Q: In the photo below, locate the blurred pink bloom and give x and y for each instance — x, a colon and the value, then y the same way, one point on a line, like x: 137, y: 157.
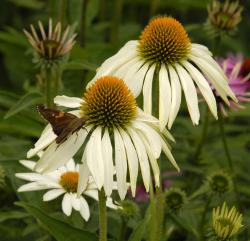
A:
x: 237, y: 69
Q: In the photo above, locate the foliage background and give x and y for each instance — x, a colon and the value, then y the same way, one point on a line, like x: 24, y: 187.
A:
x: 103, y: 27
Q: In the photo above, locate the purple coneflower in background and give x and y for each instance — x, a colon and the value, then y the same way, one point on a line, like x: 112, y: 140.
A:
x: 237, y: 69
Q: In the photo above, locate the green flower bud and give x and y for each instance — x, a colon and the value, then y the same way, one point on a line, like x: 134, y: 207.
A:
x: 220, y: 182
x: 175, y: 199
x: 128, y: 209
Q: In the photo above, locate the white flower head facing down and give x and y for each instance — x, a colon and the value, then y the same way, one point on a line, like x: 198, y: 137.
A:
x: 117, y: 137
x: 165, y: 47
x: 62, y: 181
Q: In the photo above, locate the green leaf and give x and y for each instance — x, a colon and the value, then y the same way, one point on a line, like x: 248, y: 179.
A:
x: 25, y: 101
x: 58, y: 229
x: 6, y: 215
x: 32, y: 4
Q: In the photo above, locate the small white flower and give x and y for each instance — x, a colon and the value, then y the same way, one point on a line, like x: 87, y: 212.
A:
x: 165, y: 47
x: 62, y: 181
x: 118, y: 137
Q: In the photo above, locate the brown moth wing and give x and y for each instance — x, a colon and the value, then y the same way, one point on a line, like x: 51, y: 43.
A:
x: 63, y: 123
x: 56, y: 118
x: 74, y: 126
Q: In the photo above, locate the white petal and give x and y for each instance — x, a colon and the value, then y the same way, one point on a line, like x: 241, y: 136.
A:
x: 32, y: 177
x: 29, y: 164
x: 113, y: 63
x: 110, y: 204
x: 142, y: 156
x: 84, y: 211
x: 175, y: 95
x: 66, y: 101
x: 164, y: 97
x: 46, y: 138
x: 108, y: 163
x: 83, y: 176
x: 137, y: 70
x: 32, y: 186
x: 152, y: 137
x: 190, y: 93
x: 120, y: 164
x: 76, y: 203
x: 70, y: 165
x: 215, y: 75
x: 57, y: 155
x: 203, y: 86
x: 94, y: 157
x: 135, y: 82
x: 147, y: 90
x: 92, y: 193
x: 132, y: 160
x: 153, y: 161
x: 169, y: 155
x: 66, y: 204
x: 52, y: 194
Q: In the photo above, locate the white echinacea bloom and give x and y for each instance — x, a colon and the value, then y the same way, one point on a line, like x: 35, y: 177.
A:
x: 165, y: 48
x: 62, y: 181
x: 117, y: 137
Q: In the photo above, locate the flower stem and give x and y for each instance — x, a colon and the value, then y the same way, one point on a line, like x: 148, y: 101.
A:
x: 203, y: 218
x: 160, y: 204
x: 224, y: 140
x: 202, y: 137
x: 153, y: 7
x: 62, y: 12
x: 102, y: 216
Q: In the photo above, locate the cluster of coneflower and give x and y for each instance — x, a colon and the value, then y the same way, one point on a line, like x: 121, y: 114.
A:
x: 118, y: 138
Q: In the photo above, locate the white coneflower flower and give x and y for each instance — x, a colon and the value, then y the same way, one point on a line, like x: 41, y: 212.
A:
x: 63, y: 181
x: 118, y: 136
x: 53, y: 44
x: 165, y: 46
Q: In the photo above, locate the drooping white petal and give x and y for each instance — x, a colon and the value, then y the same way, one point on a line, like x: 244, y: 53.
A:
x: 52, y: 194
x: 46, y: 138
x: 203, y: 86
x: 190, y: 94
x: 153, y: 161
x: 113, y: 63
x: 46, y: 181
x: 27, y: 163
x: 164, y: 97
x: 147, y: 90
x: 108, y: 163
x: 83, y: 175
x: 92, y: 193
x: 175, y: 95
x: 120, y: 164
x: 142, y: 156
x: 66, y: 204
x: 132, y: 159
x: 169, y: 155
x: 135, y: 81
x: 57, y: 155
x: 152, y: 137
x: 94, y: 157
x: 129, y: 78
x: 84, y: 211
x: 66, y: 101
x: 215, y: 75
x: 142, y: 116
x: 110, y: 204
x: 32, y: 186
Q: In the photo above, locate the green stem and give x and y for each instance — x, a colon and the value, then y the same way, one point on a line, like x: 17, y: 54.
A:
x: 153, y: 7
x: 117, y: 15
x: 83, y: 23
x: 62, y: 12
x: 102, y: 216
x: 153, y: 219
x: 160, y: 204
x: 224, y: 140
x: 123, y: 230
x: 202, y: 137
